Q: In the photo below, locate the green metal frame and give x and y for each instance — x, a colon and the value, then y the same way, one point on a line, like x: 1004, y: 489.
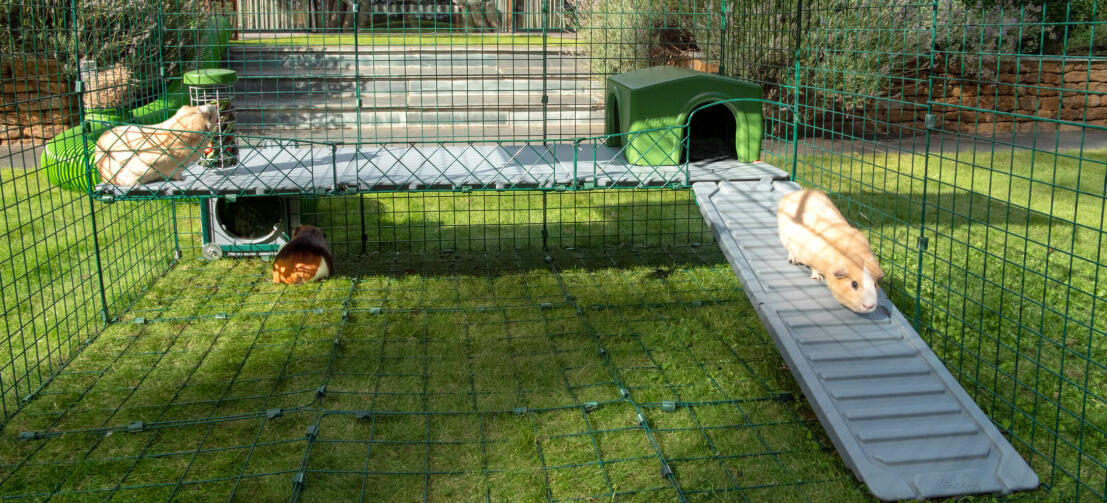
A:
x: 993, y: 243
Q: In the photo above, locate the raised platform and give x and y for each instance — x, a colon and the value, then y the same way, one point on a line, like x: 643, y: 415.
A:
x: 319, y: 169
x: 897, y: 417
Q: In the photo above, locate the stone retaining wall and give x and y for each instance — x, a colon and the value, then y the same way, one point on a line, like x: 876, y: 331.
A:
x: 1046, y: 88
x: 36, y: 102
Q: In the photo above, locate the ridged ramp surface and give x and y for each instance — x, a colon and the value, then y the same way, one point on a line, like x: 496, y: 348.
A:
x: 898, y: 418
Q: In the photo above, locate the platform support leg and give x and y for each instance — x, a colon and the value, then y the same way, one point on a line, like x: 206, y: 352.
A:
x: 176, y: 234
x: 104, y: 316
x: 545, y: 229
x: 361, y: 213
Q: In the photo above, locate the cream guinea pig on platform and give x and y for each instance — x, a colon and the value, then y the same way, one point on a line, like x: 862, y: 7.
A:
x: 817, y: 235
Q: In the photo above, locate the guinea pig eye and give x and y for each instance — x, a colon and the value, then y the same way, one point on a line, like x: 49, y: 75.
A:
x: 854, y: 285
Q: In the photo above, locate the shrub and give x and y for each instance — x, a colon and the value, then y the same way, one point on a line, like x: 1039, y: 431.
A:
x: 854, y: 49
x: 624, y: 35
x: 112, y: 32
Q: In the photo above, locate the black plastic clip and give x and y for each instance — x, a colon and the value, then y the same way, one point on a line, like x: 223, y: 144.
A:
x: 321, y: 391
x: 666, y: 471
x: 363, y: 415
x: 668, y: 406
x: 520, y: 411
x: 136, y: 426
x: 29, y: 435
x: 274, y: 413
x: 312, y: 432
x: 590, y: 406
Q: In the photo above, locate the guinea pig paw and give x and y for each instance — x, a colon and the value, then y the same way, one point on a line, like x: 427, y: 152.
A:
x: 816, y: 276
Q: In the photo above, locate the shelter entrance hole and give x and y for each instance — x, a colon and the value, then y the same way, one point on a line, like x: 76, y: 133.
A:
x: 711, y: 134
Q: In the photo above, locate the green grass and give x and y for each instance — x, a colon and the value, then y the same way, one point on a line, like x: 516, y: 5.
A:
x: 416, y: 38
x: 451, y: 354
x: 48, y: 273
x: 476, y: 355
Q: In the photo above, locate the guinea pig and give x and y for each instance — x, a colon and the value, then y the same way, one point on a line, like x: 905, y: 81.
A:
x: 304, y: 258
x: 130, y: 155
x: 816, y: 235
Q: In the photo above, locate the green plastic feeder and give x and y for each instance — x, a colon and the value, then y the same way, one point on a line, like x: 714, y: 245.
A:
x: 216, y: 86
x: 663, y: 97
x: 210, y: 77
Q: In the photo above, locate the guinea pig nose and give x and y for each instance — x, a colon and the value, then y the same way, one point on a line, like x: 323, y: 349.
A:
x: 868, y: 307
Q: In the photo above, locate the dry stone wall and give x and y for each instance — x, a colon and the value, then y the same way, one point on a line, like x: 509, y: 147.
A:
x: 1016, y: 99
x: 37, y: 102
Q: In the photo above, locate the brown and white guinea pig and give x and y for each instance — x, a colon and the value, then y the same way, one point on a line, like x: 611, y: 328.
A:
x: 130, y: 155
x: 304, y: 258
x: 816, y: 235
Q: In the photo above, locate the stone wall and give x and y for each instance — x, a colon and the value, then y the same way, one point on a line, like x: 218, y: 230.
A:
x: 37, y: 104
x: 1072, y: 91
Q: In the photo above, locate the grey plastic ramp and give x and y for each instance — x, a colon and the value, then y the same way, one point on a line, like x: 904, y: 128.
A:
x: 320, y: 169
x: 898, y: 418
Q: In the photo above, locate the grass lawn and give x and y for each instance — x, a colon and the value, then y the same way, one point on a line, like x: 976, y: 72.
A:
x: 450, y: 360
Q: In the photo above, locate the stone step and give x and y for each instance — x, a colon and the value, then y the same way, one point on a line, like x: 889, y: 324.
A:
x: 247, y: 50
x: 406, y: 64
x: 486, y: 92
x: 429, y: 100
x: 290, y: 85
x: 477, y: 133
x: 308, y: 118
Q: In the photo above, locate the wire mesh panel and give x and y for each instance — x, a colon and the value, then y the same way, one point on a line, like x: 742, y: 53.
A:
x: 483, y: 376
x: 413, y: 71
x: 966, y: 140
x: 1012, y: 274
x: 572, y: 342
x: 67, y: 266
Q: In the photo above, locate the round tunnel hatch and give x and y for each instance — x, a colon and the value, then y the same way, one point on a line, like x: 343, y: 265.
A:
x: 252, y: 219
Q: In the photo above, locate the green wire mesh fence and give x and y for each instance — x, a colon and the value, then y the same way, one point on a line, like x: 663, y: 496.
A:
x: 552, y: 344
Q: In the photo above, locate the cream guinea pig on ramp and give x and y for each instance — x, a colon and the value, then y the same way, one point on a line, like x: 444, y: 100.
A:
x: 816, y: 235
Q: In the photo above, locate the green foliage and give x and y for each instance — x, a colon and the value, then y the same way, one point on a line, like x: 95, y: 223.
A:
x: 624, y: 35
x: 853, y: 50
x: 123, y: 31
x: 140, y: 35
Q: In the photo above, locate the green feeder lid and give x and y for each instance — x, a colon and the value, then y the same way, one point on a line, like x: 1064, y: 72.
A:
x: 210, y: 77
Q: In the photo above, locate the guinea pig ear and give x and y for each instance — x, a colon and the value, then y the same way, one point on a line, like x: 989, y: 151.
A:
x: 876, y: 272
x: 296, y: 230
x: 841, y: 274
